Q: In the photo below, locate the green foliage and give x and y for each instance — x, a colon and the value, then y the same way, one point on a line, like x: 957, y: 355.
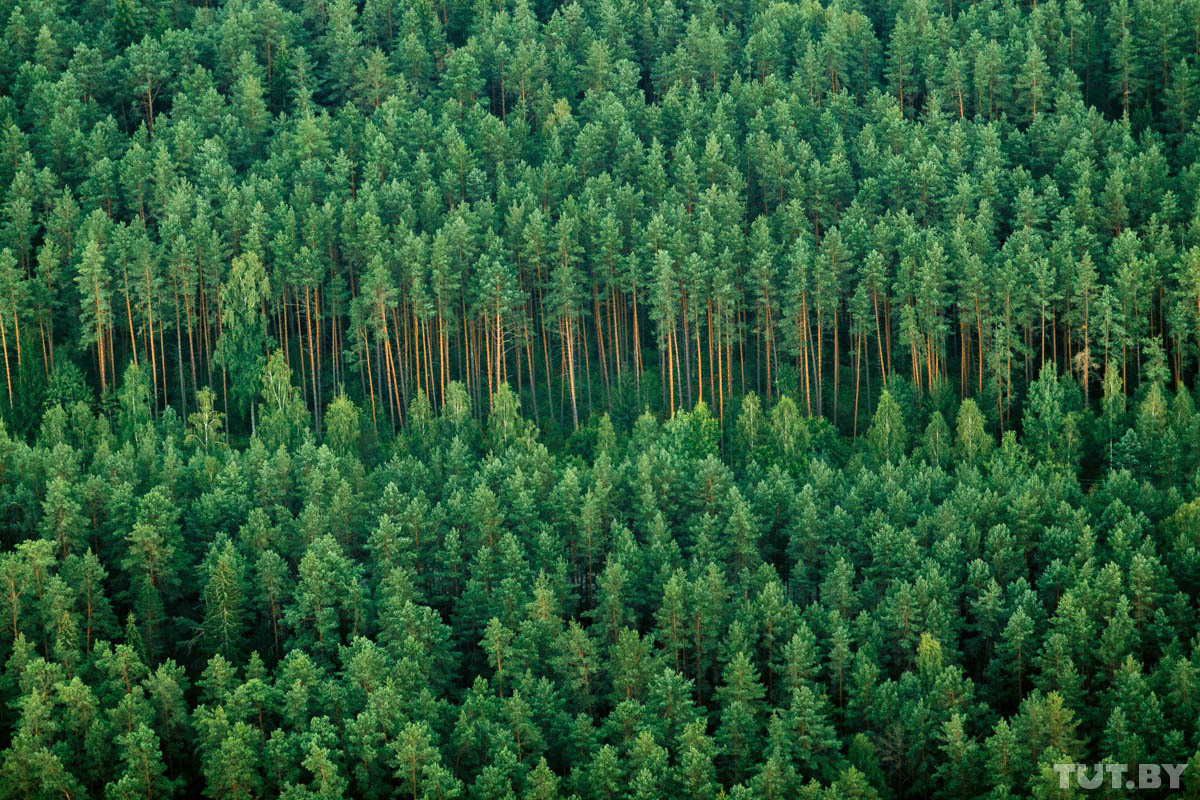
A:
x: 205, y: 423
x: 888, y: 435
x: 243, y: 344
x: 283, y: 413
x: 342, y: 432
x: 598, y: 400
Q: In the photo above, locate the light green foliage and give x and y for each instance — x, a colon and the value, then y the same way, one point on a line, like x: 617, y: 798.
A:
x: 888, y: 434
x: 244, y: 343
x: 342, y: 426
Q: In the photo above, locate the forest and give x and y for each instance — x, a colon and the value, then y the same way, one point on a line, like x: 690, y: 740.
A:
x: 604, y: 400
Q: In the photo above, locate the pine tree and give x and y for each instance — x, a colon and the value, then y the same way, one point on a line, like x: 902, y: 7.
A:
x: 1033, y: 81
x: 62, y: 520
x: 224, y: 612
x: 96, y: 315
x: 145, y: 773
x: 740, y: 697
x: 149, y: 71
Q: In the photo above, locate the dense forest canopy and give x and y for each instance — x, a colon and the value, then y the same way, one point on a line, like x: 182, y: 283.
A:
x: 605, y: 400
x: 606, y: 205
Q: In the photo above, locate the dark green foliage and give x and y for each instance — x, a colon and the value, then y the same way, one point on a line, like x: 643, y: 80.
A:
x: 599, y: 400
x: 954, y: 607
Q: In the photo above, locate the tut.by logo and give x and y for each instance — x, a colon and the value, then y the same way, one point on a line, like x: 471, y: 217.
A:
x: 1091, y: 776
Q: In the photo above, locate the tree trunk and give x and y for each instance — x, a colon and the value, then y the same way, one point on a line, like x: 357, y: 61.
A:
x: 571, y: 372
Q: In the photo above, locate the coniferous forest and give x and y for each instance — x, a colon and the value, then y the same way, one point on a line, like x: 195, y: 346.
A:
x: 614, y: 400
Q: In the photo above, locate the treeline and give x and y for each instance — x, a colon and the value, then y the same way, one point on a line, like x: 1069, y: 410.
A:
x: 927, y: 611
x: 605, y: 205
